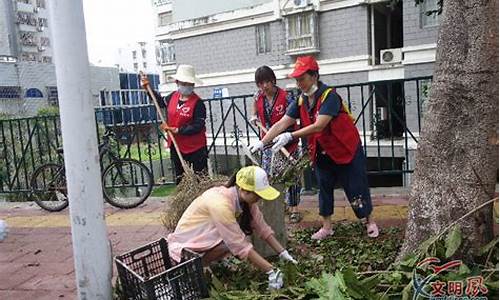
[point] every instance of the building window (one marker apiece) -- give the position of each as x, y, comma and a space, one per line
28, 38
162, 2
167, 52
24, 1
10, 92
134, 54
143, 51
263, 33
428, 13
164, 19
26, 18
145, 65
42, 22
136, 67
40, 3
301, 30
44, 42
33, 93
52, 95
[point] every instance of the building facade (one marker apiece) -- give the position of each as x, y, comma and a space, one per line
368, 44
353, 40
27, 70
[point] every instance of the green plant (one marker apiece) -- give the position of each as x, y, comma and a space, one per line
47, 111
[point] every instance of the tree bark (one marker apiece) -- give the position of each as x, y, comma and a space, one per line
457, 156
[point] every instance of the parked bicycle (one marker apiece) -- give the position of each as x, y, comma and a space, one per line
126, 182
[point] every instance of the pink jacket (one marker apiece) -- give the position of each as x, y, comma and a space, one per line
211, 219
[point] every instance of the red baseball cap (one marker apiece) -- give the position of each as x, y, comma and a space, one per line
304, 64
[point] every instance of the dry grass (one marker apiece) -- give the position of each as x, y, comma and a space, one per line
191, 186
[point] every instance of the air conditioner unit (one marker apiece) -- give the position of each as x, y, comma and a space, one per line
40, 28
36, 9
391, 56
41, 48
300, 3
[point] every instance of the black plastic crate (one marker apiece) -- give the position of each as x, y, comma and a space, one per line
148, 273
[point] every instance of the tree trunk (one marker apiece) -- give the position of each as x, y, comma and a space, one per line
457, 156
274, 214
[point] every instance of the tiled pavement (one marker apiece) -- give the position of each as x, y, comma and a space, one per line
36, 259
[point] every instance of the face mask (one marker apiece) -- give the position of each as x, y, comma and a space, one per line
185, 90
311, 90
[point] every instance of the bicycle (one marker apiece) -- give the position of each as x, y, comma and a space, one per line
126, 182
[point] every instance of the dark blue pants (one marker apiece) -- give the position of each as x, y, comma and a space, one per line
352, 177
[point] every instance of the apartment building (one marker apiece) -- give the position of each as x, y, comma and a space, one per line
27, 70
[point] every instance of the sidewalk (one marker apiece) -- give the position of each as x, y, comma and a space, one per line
36, 259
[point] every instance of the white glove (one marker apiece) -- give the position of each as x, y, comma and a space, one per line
253, 120
275, 279
284, 255
281, 140
256, 146
3, 230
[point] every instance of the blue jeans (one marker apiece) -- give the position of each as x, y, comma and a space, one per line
293, 196
353, 179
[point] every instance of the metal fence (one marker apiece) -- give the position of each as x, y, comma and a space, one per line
388, 116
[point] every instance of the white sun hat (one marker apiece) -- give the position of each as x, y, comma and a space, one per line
185, 73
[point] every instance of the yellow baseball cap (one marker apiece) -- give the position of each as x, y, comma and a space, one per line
254, 179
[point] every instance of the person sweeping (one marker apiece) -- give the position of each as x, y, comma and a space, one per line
334, 145
216, 223
186, 116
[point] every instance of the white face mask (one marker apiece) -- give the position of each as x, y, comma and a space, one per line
185, 90
311, 90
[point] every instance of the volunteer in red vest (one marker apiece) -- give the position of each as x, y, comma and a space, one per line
270, 105
334, 145
186, 116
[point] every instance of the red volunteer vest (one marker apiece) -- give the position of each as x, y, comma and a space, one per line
178, 117
339, 139
277, 112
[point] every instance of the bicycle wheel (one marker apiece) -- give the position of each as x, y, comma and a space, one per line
126, 183
48, 186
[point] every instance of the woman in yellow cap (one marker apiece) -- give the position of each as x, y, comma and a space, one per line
217, 222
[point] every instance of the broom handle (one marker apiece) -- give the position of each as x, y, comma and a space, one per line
283, 150
170, 135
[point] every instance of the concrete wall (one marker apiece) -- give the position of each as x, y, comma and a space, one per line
231, 50
344, 32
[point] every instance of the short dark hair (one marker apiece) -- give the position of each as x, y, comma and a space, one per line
313, 73
263, 74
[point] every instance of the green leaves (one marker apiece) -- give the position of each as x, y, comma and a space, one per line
329, 286
453, 241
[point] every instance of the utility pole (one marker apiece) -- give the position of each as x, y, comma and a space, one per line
91, 248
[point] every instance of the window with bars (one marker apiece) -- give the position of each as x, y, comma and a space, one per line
43, 22
167, 52
428, 15
52, 95
10, 92
26, 18
301, 32
28, 38
263, 33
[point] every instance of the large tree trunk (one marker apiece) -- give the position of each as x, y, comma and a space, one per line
457, 156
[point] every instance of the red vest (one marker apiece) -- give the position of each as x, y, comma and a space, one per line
178, 117
277, 112
339, 139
